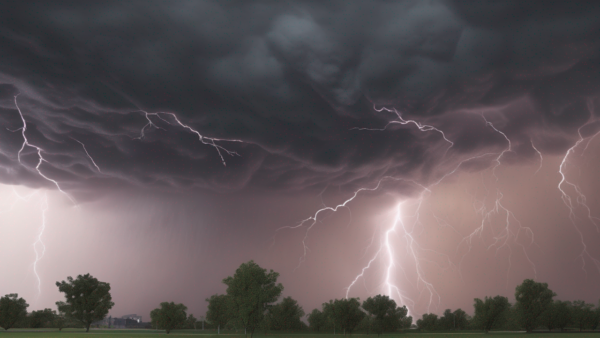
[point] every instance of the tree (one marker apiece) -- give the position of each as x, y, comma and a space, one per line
218, 310
556, 316
386, 315
407, 322
583, 316
169, 316
12, 309
428, 322
446, 321
251, 289
190, 322
461, 320
596, 320
532, 300
345, 313
366, 324
316, 320
87, 298
489, 312
41, 318
286, 315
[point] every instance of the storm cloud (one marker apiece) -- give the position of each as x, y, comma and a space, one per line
293, 81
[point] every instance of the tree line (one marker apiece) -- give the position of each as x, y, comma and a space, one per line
534, 309
250, 303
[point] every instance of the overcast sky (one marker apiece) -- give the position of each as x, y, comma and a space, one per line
158, 145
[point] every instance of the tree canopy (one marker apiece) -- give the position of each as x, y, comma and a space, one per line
12, 309
429, 321
386, 315
42, 318
345, 313
251, 289
556, 316
219, 310
169, 316
286, 315
317, 320
489, 311
583, 315
532, 300
87, 298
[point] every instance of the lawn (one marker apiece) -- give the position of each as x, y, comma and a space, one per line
137, 333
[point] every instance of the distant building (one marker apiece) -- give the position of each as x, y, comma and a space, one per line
133, 317
126, 321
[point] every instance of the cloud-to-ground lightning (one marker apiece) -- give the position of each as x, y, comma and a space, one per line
511, 233
581, 200
38, 245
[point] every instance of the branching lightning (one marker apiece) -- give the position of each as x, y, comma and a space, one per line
39, 152
204, 139
512, 231
39, 246
581, 200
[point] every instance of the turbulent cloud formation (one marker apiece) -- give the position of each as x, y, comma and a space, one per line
293, 81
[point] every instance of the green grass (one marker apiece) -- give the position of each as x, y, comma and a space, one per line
139, 333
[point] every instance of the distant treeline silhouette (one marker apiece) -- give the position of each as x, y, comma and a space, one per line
251, 305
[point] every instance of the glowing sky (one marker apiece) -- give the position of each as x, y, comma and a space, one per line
188, 137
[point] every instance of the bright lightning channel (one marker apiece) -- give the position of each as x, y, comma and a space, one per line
501, 240
39, 244
581, 200
204, 139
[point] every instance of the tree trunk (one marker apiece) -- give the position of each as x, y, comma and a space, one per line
87, 327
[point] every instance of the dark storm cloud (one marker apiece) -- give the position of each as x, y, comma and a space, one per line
291, 79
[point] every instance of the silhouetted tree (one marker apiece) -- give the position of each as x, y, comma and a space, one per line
428, 321
407, 322
316, 320
190, 322
12, 310
345, 313
446, 321
582, 314
41, 318
286, 315
169, 316
87, 298
489, 311
461, 320
386, 315
251, 289
556, 316
219, 311
532, 300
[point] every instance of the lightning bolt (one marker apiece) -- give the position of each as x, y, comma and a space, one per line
501, 240
581, 200
512, 228
204, 139
38, 245
88, 154
39, 152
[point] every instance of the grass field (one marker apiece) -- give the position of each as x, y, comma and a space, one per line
137, 333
